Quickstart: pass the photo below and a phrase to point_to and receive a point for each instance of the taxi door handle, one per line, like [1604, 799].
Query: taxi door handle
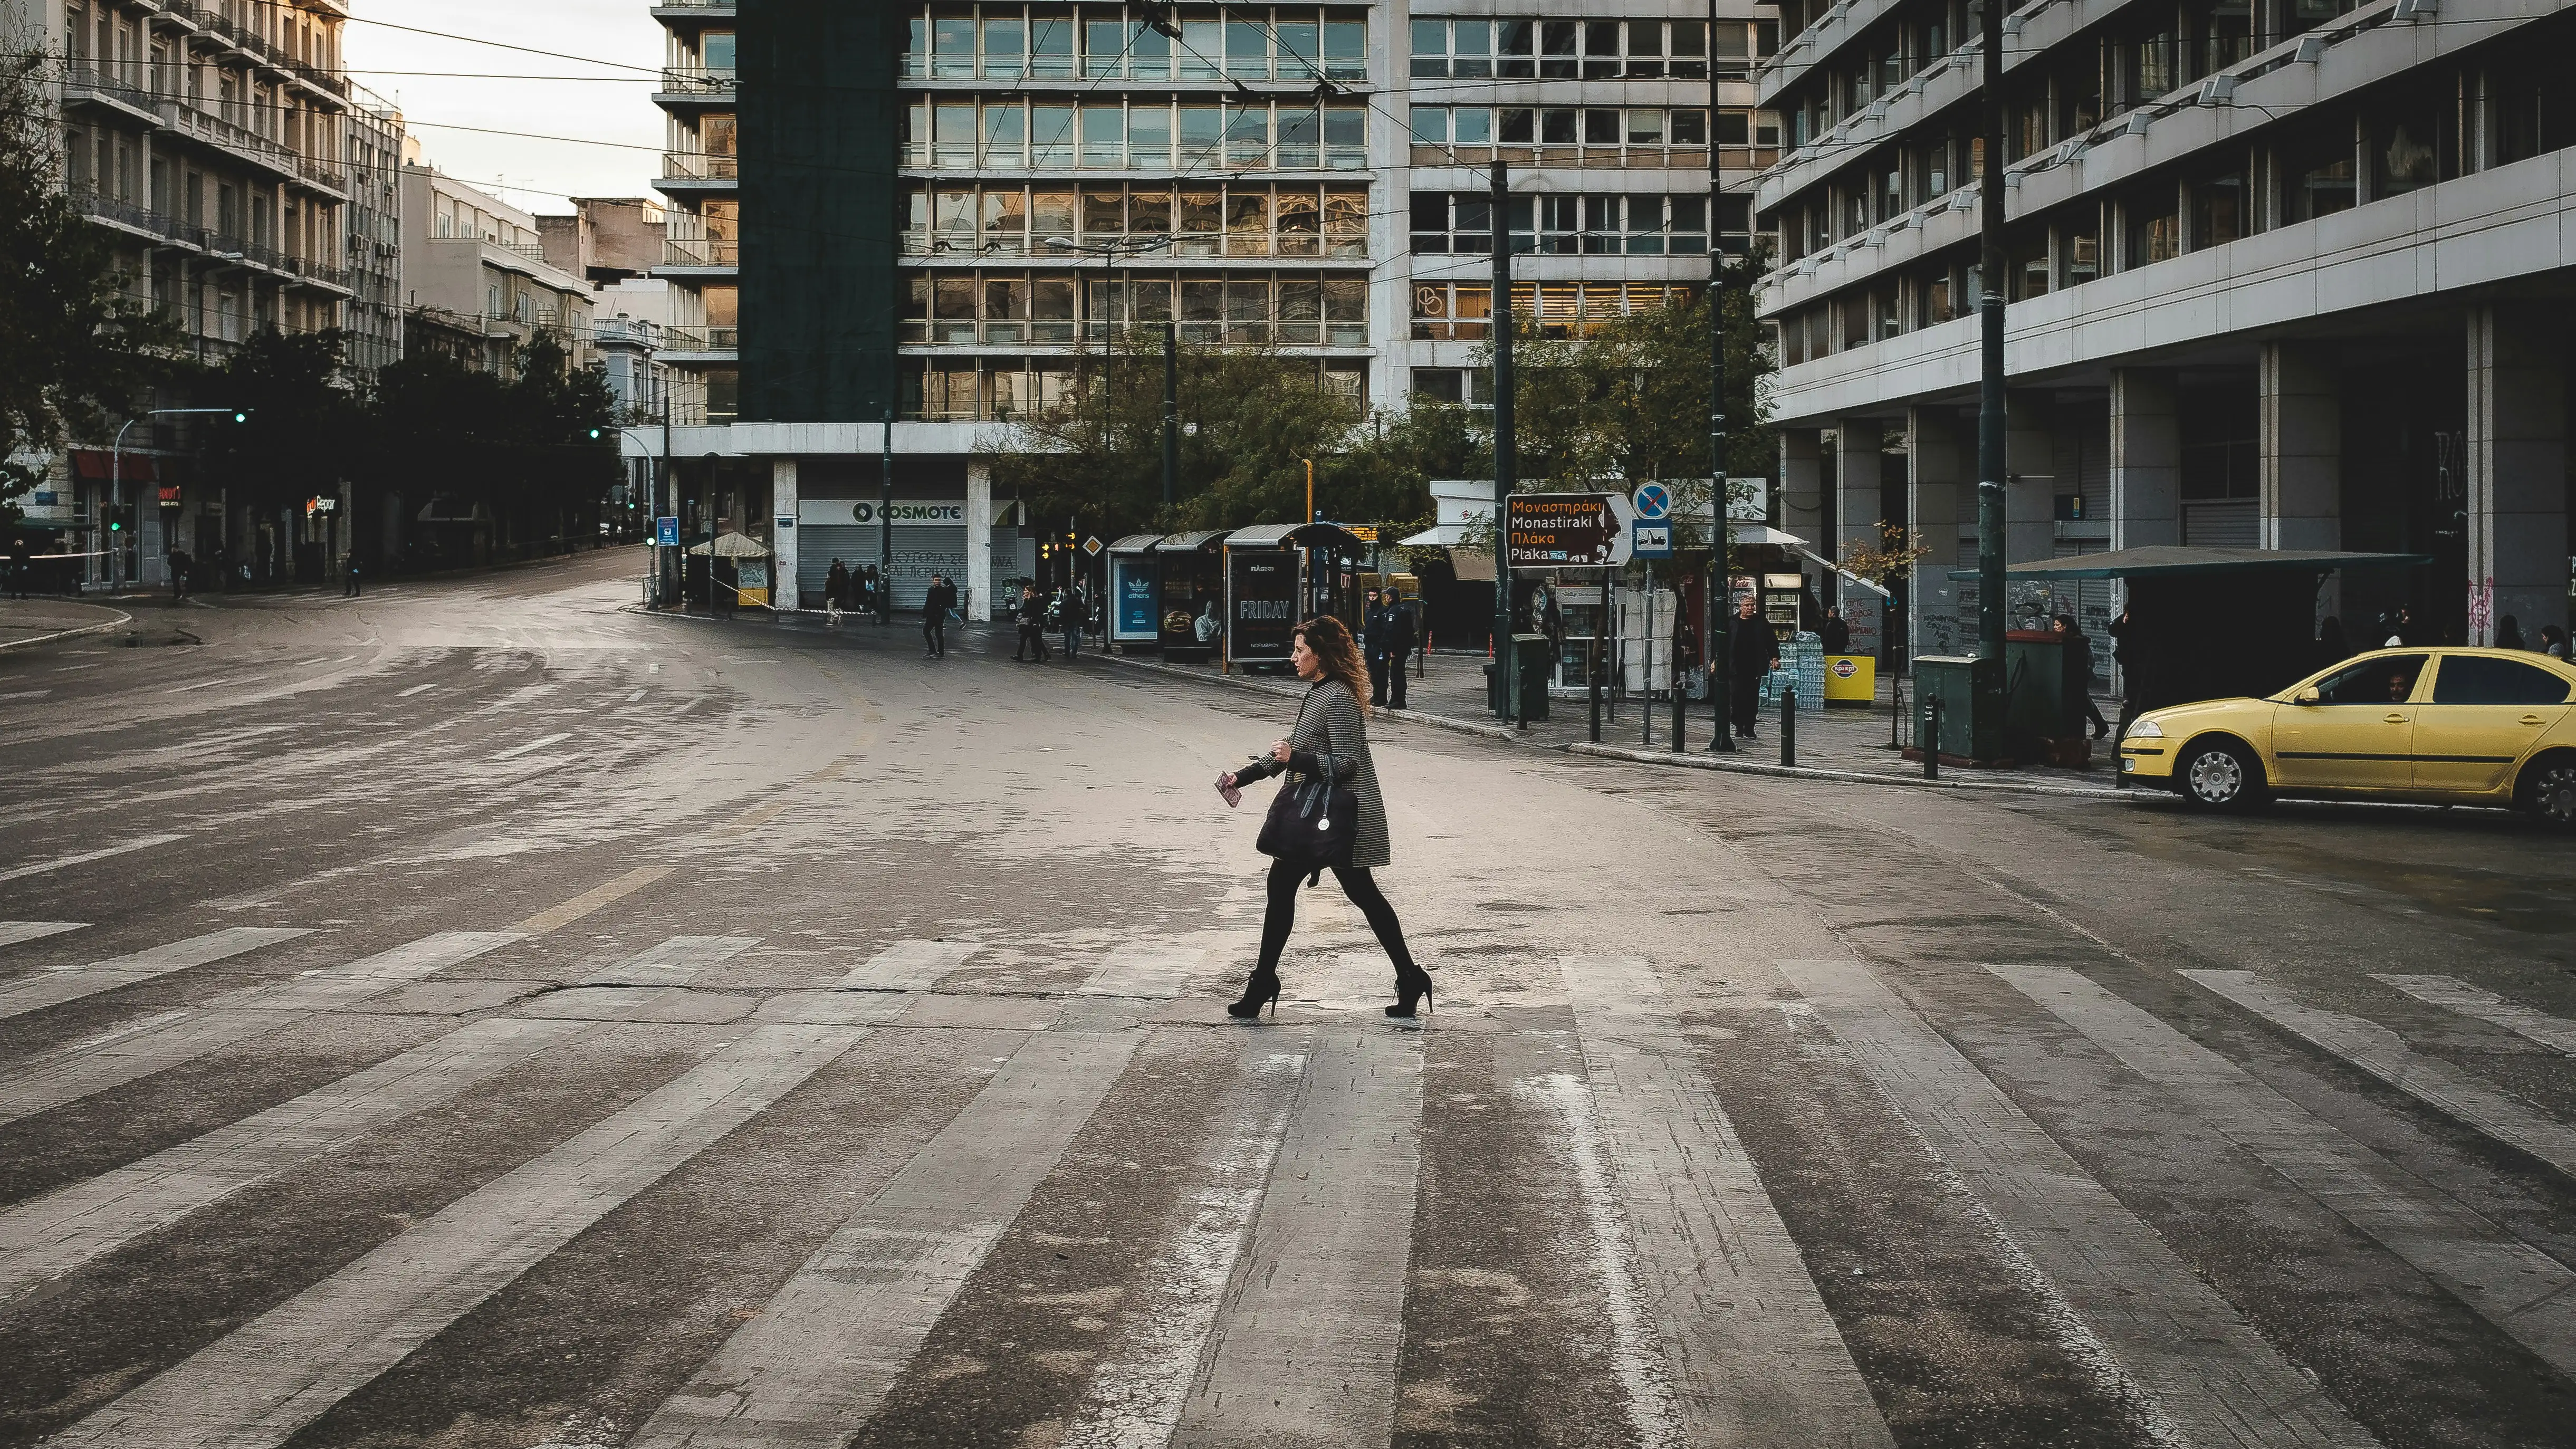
[2396, 719]
[2533, 719]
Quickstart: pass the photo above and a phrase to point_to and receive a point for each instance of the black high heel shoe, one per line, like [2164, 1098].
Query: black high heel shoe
[1262, 990]
[1412, 983]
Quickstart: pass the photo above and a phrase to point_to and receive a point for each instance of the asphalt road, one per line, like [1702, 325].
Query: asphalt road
[477, 1014]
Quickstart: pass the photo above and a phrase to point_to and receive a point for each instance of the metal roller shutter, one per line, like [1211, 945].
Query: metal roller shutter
[820, 543]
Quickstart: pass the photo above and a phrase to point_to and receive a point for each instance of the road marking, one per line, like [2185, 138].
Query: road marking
[675, 962]
[58, 1232]
[14, 932]
[2511, 1284]
[755, 819]
[70, 668]
[1750, 1352]
[812, 1367]
[909, 966]
[539, 743]
[157, 1043]
[2377, 1050]
[2453, 994]
[258, 1386]
[53, 988]
[2196, 1360]
[639, 694]
[26, 694]
[85, 857]
[591, 900]
[415, 689]
[1305, 1344]
[1143, 1379]
[1158, 970]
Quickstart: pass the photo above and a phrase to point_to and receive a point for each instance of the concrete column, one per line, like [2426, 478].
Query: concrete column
[2146, 459]
[2299, 402]
[2030, 470]
[979, 539]
[2517, 464]
[1936, 501]
[783, 592]
[1802, 485]
[1857, 504]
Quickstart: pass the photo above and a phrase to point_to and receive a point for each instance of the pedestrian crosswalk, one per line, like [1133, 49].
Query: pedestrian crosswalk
[1276, 1306]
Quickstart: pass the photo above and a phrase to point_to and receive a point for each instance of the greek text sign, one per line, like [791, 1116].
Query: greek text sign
[1568, 530]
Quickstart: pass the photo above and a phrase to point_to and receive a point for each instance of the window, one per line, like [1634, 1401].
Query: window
[2386, 680]
[2473, 679]
[2219, 213]
[2406, 147]
[2155, 228]
[2317, 173]
[717, 50]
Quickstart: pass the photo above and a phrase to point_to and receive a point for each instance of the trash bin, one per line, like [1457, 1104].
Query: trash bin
[1535, 656]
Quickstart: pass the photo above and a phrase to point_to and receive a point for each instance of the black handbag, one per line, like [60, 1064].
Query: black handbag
[1312, 822]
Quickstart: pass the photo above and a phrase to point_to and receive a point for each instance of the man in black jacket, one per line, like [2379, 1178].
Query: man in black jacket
[1032, 617]
[1390, 644]
[1756, 653]
[936, 601]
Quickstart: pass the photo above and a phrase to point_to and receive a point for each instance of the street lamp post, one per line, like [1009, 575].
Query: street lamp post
[1990, 309]
[116, 475]
[1505, 463]
[1171, 413]
[1721, 635]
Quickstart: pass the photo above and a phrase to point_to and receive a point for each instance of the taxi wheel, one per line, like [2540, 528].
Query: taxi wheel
[2220, 775]
[2550, 793]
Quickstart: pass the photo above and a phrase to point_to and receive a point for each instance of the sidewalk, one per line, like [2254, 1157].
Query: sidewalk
[1448, 691]
[25, 623]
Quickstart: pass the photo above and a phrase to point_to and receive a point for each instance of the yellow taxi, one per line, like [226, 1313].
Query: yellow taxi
[2445, 726]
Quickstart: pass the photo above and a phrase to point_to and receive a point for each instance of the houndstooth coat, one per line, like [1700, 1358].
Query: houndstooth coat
[1330, 721]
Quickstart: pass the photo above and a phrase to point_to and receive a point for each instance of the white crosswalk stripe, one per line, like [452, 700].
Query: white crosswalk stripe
[14, 932]
[259, 1385]
[62, 1230]
[53, 988]
[1751, 1353]
[139, 1049]
[1157, 969]
[2452, 994]
[2193, 1355]
[812, 1366]
[2511, 1284]
[61, 862]
[1305, 1345]
[2381, 1053]
[909, 966]
[676, 962]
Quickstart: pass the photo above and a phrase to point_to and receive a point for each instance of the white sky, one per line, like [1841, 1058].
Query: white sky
[531, 173]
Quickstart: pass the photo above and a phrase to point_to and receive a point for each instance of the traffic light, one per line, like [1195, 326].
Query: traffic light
[241, 415]
[120, 517]
[596, 434]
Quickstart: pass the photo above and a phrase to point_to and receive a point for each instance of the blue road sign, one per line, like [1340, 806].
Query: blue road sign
[1653, 500]
[666, 532]
[1653, 539]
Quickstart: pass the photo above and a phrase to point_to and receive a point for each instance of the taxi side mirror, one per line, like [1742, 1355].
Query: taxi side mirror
[2309, 696]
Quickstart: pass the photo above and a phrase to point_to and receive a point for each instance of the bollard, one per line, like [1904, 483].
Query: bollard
[1592, 681]
[1930, 738]
[1789, 725]
[1896, 713]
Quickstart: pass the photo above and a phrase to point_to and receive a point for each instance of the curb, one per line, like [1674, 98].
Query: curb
[120, 621]
[1650, 757]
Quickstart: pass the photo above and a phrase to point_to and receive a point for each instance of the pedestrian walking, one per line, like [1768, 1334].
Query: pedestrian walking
[180, 563]
[1390, 641]
[19, 567]
[351, 586]
[1072, 610]
[2332, 647]
[1031, 615]
[2509, 633]
[1371, 628]
[1756, 647]
[2079, 668]
[1836, 635]
[1328, 770]
[935, 603]
[836, 592]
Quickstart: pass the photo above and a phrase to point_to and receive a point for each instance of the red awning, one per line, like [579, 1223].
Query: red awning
[97, 466]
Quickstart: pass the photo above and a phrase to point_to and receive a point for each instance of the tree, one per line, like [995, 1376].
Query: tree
[73, 348]
[297, 441]
[519, 447]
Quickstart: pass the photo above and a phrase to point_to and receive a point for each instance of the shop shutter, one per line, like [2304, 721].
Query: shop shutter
[2222, 523]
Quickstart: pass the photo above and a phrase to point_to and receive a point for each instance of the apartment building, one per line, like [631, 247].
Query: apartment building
[374, 314]
[2280, 274]
[208, 141]
[1309, 178]
[476, 280]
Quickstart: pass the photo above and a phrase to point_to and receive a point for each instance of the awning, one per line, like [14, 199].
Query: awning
[732, 545]
[1204, 538]
[97, 465]
[2130, 563]
[1135, 543]
[1438, 535]
[1757, 534]
[1297, 535]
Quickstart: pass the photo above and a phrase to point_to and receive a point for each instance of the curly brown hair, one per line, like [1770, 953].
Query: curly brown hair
[1334, 648]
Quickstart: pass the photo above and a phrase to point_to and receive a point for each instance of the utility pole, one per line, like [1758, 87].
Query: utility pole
[885, 518]
[1171, 414]
[1505, 464]
[1990, 309]
[1721, 628]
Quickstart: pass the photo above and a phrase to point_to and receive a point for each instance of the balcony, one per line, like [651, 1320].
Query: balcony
[697, 171]
[694, 85]
[693, 9]
[710, 344]
[215, 131]
[700, 253]
[85, 82]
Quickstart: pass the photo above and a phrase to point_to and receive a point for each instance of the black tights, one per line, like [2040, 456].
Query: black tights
[1356, 883]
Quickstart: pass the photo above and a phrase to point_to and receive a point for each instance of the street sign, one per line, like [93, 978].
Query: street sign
[1653, 539]
[1092, 546]
[1364, 532]
[666, 532]
[1568, 530]
[1653, 501]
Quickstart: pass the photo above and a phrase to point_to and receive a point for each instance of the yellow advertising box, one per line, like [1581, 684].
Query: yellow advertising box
[1850, 680]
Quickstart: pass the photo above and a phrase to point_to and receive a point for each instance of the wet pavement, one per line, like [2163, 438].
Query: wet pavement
[483, 1014]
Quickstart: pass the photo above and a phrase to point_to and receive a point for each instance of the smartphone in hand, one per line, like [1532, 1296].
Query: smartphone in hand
[1225, 787]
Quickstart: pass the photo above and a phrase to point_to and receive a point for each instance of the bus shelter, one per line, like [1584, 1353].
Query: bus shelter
[1135, 593]
[1189, 573]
